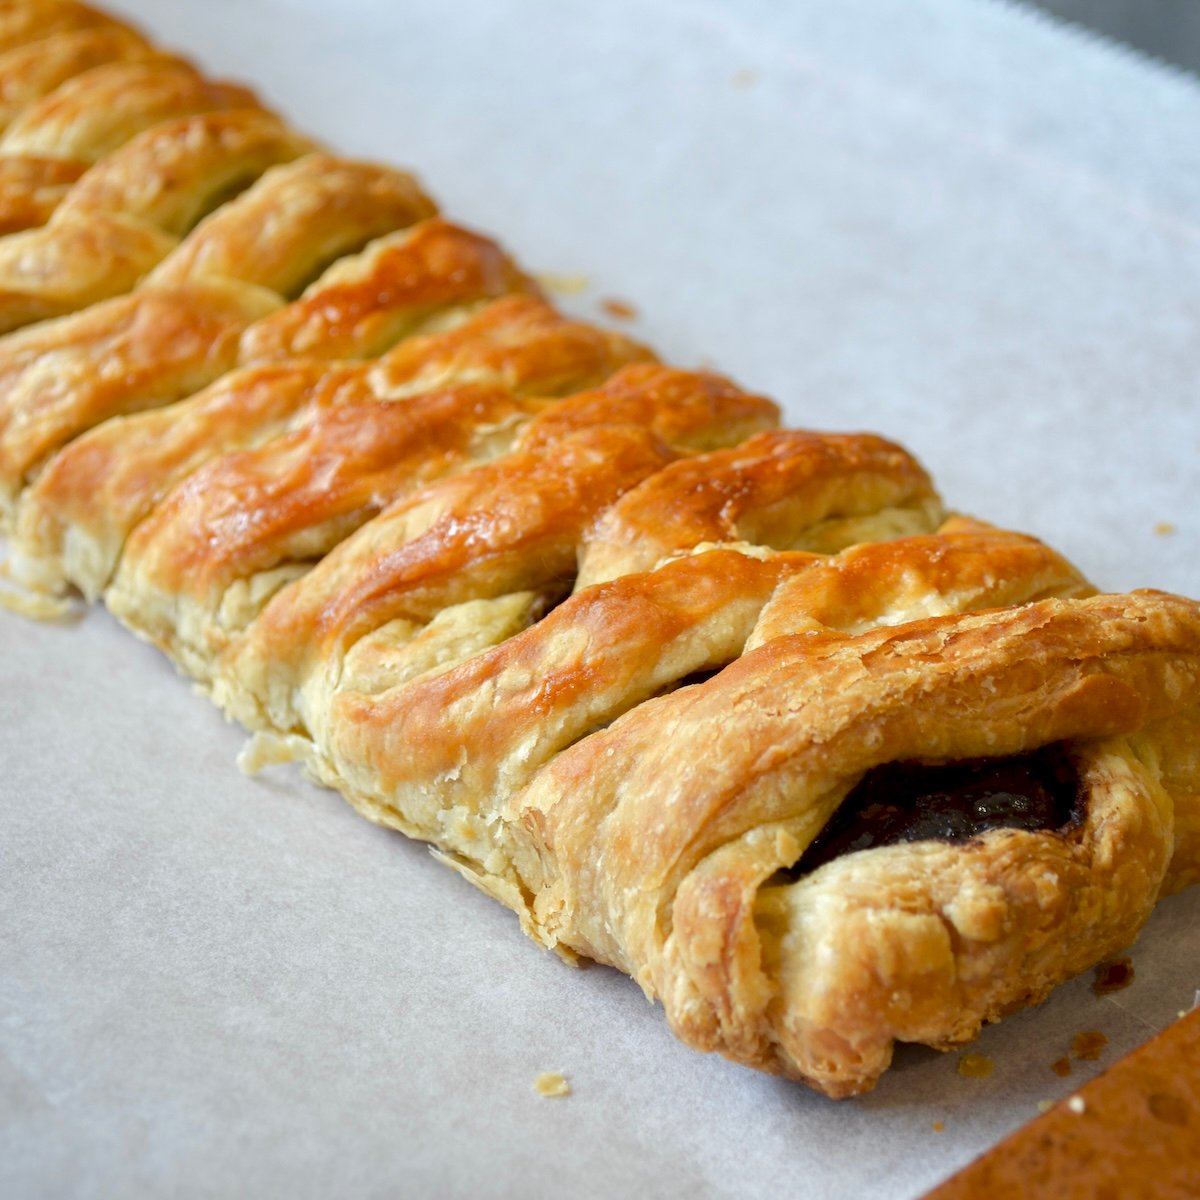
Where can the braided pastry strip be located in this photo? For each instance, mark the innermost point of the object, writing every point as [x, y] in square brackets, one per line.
[89, 117]
[31, 70]
[127, 213]
[398, 589]
[74, 519]
[422, 279]
[268, 514]
[24, 21]
[181, 330]
[32, 188]
[61, 378]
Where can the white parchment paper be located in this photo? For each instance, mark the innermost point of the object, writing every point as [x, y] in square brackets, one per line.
[944, 220]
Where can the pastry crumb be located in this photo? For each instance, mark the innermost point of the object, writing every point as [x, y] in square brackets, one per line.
[1164, 528]
[621, 309]
[939, 1126]
[1044, 1106]
[552, 1083]
[1061, 1067]
[975, 1066]
[34, 605]
[1077, 1104]
[564, 285]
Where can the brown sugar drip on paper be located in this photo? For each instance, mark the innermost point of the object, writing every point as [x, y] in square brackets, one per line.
[1113, 976]
[1088, 1046]
[975, 1066]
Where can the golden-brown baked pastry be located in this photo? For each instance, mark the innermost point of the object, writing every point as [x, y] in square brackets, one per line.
[60, 378]
[177, 172]
[733, 708]
[91, 115]
[34, 69]
[814, 968]
[111, 224]
[674, 836]
[75, 517]
[610, 647]
[24, 21]
[181, 329]
[32, 188]
[357, 452]
[424, 278]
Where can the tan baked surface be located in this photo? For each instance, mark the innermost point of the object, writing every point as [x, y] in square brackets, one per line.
[1132, 1134]
[592, 625]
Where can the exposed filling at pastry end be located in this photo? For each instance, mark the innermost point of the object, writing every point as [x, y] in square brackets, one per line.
[917, 802]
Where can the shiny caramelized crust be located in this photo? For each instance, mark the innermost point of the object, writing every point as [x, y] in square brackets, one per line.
[364, 305]
[518, 342]
[177, 172]
[32, 188]
[92, 114]
[965, 565]
[154, 347]
[297, 497]
[509, 526]
[245, 524]
[74, 519]
[783, 489]
[919, 942]
[126, 214]
[187, 319]
[409, 702]
[696, 410]
[33, 70]
[65, 536]
[294, 222]
[65, 266]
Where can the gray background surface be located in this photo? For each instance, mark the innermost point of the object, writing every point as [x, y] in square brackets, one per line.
[1167, 29]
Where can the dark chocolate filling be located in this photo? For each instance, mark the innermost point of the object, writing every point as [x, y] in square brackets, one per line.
[918, 802]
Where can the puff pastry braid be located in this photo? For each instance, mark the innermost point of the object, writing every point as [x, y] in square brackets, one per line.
[742, 711]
